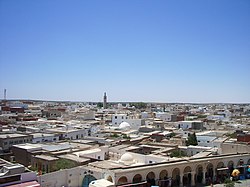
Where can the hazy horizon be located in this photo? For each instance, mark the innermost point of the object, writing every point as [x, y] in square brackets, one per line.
[137, 51]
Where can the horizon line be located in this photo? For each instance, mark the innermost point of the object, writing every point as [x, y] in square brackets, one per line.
[155, 102]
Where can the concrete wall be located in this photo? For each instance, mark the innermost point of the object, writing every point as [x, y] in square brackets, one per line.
[231, 148]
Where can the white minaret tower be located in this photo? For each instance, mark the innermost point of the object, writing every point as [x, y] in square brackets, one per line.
[5, 92]
[105, 100]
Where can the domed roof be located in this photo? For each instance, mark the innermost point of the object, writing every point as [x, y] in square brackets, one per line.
[124, 125]
[127, 157]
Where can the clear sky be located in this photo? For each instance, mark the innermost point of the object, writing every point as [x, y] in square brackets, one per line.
[135, 50]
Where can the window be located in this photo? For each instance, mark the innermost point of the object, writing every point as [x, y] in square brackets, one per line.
[150, 162]
[115, 117]
[207, 141]
[5, 143]
[98, 157]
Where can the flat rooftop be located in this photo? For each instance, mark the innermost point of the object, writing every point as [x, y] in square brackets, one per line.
[38, 135]
[3, 136]
[46, 157]
[74, 158]
[28, 146]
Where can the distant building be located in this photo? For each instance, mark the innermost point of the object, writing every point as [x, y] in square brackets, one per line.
[244, 137]
[117, 119]
[167, 117]
[196, 125]
[52, 113]
[7, 140]
[70, 133]
[85, 114]
[44, 137]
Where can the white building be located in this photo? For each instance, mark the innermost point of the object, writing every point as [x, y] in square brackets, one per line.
[167, 117]
[69, 133]
[43, 137]
[216, 117]
[122, 173]
[100, 153]
[210, 139]
[197, 125]
[193, 150]
[117, 119]
[206, 141]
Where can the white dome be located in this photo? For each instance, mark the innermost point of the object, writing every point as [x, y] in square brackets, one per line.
[127, 157]
[124, 125]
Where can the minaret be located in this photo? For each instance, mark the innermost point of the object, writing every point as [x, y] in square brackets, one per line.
[105, 100]
[5, 94]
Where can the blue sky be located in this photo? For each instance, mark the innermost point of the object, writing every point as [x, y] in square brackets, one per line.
[135, 50]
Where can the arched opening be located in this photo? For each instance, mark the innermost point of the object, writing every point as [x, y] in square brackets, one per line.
[240, 162]
[220, 165]
[163, 174]
[87, 179]
[151, 178]
[163, 178]
[222, 172]
[187, 176]
[137, 178]
[176, 177]
[199, 174]
[230, 166]
[122, 180]
[209, 173]
[109, 178]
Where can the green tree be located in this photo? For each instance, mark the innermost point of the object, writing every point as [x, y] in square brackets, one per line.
[99, 105]
[125, 136]
[172, 135]
[177, 153]
[229, 183]
[64, 164]
[192, 139]
[139, 105]
[232, 135]
[115, 135]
